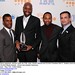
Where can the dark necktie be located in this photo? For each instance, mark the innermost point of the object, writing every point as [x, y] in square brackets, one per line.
[62, 30]
[11, 35]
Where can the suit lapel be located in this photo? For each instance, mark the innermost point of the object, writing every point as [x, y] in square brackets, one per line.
[64, 34]
[67, 31]
[30, 21]
[21, 23]
[43, 35]
[6, 34]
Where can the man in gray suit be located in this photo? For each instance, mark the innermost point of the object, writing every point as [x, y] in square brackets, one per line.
[7, 47]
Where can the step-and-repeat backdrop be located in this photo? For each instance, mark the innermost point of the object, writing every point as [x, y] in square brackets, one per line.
[15, 8]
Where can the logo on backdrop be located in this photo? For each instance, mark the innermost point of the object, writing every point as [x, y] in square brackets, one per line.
[13, 16]
[21, 1]
[69, 3]
[47, 2]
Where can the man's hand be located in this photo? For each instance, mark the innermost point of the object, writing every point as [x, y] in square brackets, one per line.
[29, 47]
[18, 45]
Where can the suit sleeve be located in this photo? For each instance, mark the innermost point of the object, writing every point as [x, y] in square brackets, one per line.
[1, 48]
[72, 46]
[37, 34]
[17, 30]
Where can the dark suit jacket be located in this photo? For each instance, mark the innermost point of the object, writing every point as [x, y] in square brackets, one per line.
[32, 31]
[7, 48]
[49, 47]
[67, 45]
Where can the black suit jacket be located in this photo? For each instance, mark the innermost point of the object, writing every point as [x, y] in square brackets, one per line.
[32, 31]
[67, 45]
[49, 47]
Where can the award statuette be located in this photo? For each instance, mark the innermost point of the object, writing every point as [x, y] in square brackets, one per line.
[22, 41]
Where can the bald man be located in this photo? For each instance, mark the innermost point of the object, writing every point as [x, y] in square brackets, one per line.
[30, 26]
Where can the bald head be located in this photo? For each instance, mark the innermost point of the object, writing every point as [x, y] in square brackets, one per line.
[28, 4]
[27, 9]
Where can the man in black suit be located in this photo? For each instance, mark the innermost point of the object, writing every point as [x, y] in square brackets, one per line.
[7, 45]
[49, 35]
[66, 50]
[30, 26]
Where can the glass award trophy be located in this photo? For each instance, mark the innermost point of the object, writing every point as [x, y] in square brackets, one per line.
[22, 41]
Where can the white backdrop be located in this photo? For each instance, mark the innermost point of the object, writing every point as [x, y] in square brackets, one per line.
[14, 7]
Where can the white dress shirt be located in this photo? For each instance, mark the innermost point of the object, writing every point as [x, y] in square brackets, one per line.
[65, 27]
[8, 30]
[25, 20]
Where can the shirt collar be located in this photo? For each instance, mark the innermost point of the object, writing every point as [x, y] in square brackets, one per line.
[26, 18]
[7, 29]
[65, 27]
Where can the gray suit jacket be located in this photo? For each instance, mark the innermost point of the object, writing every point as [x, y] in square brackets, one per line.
[7, 48]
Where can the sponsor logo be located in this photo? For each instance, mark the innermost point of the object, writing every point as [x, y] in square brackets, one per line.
[13, 16]
[47, 2]
[69, 3]
[21, 1]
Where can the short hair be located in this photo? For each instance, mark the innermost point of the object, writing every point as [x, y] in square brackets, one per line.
[28, 3]
[47, 13]
[66, 12]
[6, 15]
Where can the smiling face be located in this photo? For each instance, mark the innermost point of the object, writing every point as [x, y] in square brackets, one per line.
[27, 9]
[7, 22]
[47, 19]
[65, 19]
